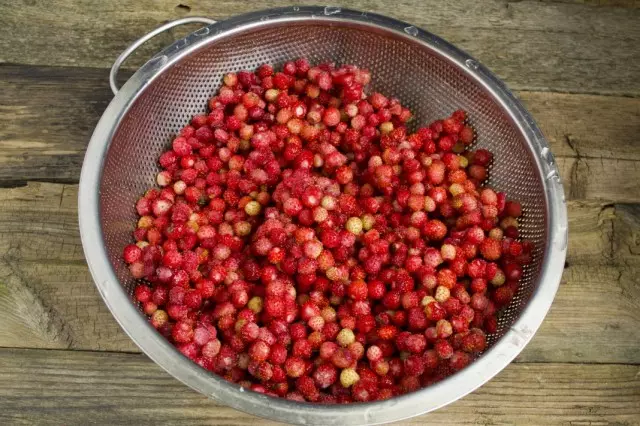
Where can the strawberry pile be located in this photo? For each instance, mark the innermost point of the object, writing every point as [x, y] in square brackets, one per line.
[304, 244]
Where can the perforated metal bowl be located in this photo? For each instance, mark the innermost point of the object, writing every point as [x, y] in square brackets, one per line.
[430, 76]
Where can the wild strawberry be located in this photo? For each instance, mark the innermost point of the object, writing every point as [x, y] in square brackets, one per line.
[491, 249]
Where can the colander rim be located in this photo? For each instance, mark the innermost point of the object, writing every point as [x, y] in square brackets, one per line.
[164, 354]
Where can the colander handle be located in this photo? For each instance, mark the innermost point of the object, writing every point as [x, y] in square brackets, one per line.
[139, 42]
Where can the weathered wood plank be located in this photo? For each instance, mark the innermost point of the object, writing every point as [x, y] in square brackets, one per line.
[587, 126]
[532, 45]
[607, 3]
[594, 306]
[45, 284]
[600, 179]
[62, 387]
[626, 231]
[50, 301]
[590, 233]
[47, 116]
[45, 125]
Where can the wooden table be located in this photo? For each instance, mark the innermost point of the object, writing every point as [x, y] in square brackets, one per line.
[576, 66]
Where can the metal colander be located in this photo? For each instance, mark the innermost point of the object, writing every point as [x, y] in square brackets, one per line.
[426, 73]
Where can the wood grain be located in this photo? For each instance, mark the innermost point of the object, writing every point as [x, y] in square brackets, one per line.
[626, 230]
[50, 301]
[46, 123]
[64, 359]
[531, 45]
[600, 179]
[46, 290]
[587, 126]
[606, 3]
[61, 387]
[596, 310]
[47, 116]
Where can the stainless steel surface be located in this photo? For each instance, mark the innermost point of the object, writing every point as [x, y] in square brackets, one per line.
[113, 74]
[430, 76]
